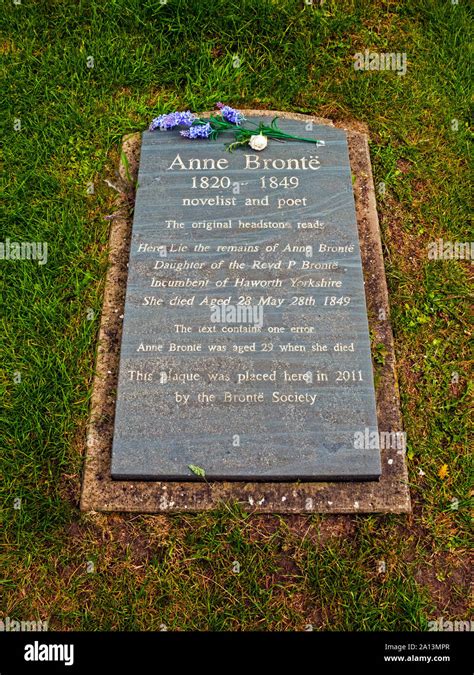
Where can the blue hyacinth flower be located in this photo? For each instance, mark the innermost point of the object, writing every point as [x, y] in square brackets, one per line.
[230, 114]
[198, 131]
[172, 120]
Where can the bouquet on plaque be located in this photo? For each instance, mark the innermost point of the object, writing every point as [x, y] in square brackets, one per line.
[226, 120]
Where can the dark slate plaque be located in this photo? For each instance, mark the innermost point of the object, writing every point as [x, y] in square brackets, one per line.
[245, 346]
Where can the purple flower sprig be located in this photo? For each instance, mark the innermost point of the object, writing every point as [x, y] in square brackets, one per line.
[197, 128]
[230, 114]
[198, 131]
[172, 120]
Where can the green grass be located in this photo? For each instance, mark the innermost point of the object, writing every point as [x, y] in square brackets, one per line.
[150, 58]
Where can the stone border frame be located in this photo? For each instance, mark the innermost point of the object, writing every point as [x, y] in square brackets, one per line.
[388, 495]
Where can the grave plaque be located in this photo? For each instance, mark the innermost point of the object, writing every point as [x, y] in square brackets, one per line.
[245, 347]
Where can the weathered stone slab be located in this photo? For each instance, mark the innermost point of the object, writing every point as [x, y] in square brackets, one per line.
[245, 347]
[390, 494]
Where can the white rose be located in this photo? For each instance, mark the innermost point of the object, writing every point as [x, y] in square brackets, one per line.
[258, 142]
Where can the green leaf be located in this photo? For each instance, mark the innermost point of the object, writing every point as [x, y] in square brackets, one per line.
[126, 165]
[197, 470]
